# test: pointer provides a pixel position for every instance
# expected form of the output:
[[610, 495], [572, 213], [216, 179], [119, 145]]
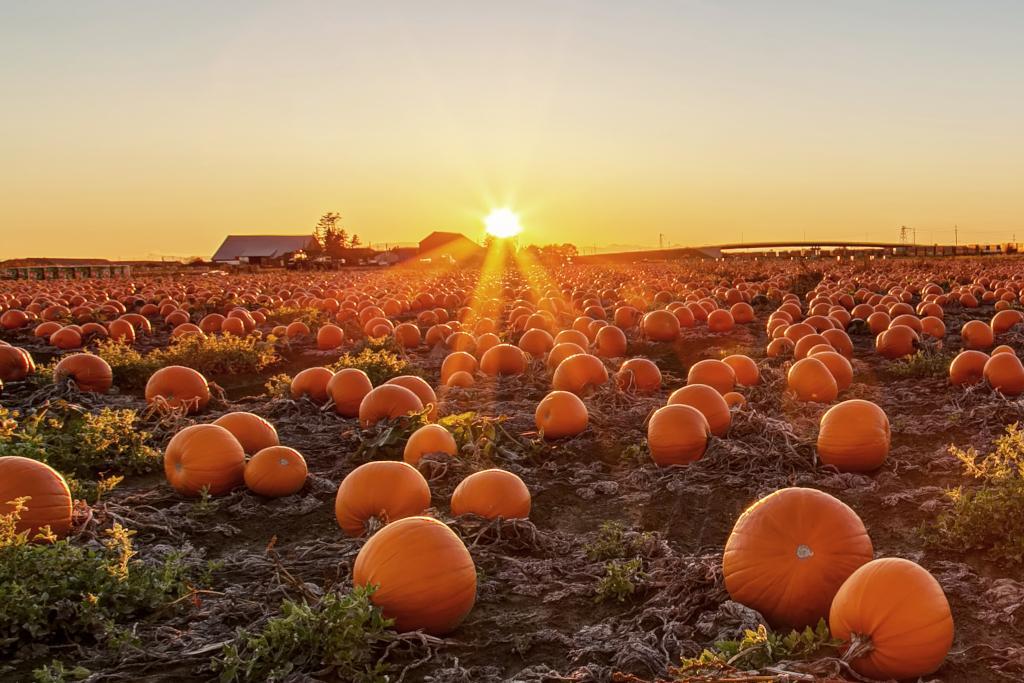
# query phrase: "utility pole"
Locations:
[[956, 235], [661, 240]]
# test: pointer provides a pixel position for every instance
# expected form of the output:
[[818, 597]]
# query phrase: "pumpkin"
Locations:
[[1005, 320], [276, 471], [347, 389], [312, 383], [561, 414], [407, 335], [432, 438], [841, 369], [492, 493], [49, 500], [88, 372], [789, 553], [424, 575], [66, 338], [296, 330], [252, 431], [840, 341], [854, 436], [378, 493], [460, 379], [714, 373], [968, 367], [179, 386], [580, 374], [898, 342], [329, 337], [560, 352], [387, 401], [1003, 348], [1005, 374], [976, 335], [503, 359], [895, 617], [460, 361], [204, 456], [779, 347], [610, 342], [677, 435], [536, 342], [660, 326], [811, 380], [744, 368], [734, 399], [711, 404], [13, 319], [640, 375], [122, 331], [424, 392]]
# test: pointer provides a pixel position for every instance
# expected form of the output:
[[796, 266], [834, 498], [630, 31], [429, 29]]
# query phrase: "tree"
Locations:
[[330, 235], [355, 241]]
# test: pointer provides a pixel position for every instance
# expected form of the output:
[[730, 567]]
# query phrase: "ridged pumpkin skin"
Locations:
[[838, 365], [347, 388], [90, 373], [424, 575], [276, 472], [976, 335], [968, 367], [204, 456], [660, 326], [312, 384], [252, 431], [709, 402], [903, 610], [714, 373], [811, 380], [610, 342], [424, 392], [432, 438], [458, 361], [579, 374], [1005, 373], [492, 493], [561, 414], [387, 401], [384, 489], [15, 364], [179, 386], [898, 341], [50, 500], [744, 368], [639, 375], [503, 359], [677, 435], [789, 553], [854, 436]]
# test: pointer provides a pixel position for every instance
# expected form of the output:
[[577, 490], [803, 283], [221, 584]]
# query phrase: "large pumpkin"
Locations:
[[810, 380], [1005, 373], [660, 326], [561, 414], [854, 436], [579, 374], [312, 384], [378, 493], [387, 401], [89, 373], [204, 456], [424, 392], [789, 553], [714, 373], [432, 438], [709, 402], [492, 493], [15, 364], [252, 431], [49, 501], [424, 575], [968, 367], [895, 613], [276, 471], [677, 435], [744, 368], [503, 359], [639, 375], [179, 386], [347, 388]]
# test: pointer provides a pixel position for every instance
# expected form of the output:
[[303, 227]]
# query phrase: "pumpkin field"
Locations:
[[736, 470]]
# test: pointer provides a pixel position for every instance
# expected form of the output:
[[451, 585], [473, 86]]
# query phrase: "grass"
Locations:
[[756, 650], [341, 636], [213, 356], [58, 591], [612, 543], [927, 362], [621, 579], [988, 518], [91, 450], [379, 364]]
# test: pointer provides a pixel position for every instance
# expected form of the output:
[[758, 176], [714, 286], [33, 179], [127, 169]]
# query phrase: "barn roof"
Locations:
[[236, 247]]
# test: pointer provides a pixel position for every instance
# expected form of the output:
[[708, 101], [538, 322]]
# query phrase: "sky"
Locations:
[[153, 129]]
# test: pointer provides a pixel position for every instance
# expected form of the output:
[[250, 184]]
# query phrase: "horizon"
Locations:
[[598, 124]]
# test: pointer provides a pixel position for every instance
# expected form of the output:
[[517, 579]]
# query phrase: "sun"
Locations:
[[502, 223]]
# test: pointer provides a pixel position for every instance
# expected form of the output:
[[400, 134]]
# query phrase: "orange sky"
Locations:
[[140, 132]]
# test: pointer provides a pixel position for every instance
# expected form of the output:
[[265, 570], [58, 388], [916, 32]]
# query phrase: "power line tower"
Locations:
[[904, 234], [661, 240]]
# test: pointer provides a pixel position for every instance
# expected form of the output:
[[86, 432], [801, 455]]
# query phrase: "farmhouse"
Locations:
[[449, 246], [265, 250]]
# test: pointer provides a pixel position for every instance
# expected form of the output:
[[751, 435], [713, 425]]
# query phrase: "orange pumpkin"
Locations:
[[789, 553], [66, 338], [432, 438], [424, 575], [204, 456], [379, 493], [49, 500], [811, 380], [179, 386], [1005, 320], [779, 347], [714, 373], [329, 337], [536, 342], [677, 435], [312, 383], [276, 471], [1005, 374], [660, 326], [424, 392], [854, 436], [387, 401], [734, 399], [347, 389], [579, 374], [895, 613], [459, 361], [561, 414], [610, 342], [640, 375], [709, 402], [744, 368], [968, 367], [503, 359], [407, 335], [720, 320], [898, 342], [562, 351], [841, 369], [461, 379], [977, 335], [90, 373], [492, 493], [252, 431]]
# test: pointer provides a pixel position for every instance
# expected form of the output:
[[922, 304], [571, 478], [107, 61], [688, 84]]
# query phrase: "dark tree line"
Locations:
[[330, 238]]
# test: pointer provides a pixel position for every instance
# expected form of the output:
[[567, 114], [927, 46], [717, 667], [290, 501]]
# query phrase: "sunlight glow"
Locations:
[[502, 223]]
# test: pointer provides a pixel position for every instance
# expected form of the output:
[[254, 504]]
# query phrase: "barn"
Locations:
[[449, 246], [264, 250]]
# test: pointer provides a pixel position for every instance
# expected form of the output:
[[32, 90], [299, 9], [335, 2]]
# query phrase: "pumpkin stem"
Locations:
[[860, 646], [376, 523]]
